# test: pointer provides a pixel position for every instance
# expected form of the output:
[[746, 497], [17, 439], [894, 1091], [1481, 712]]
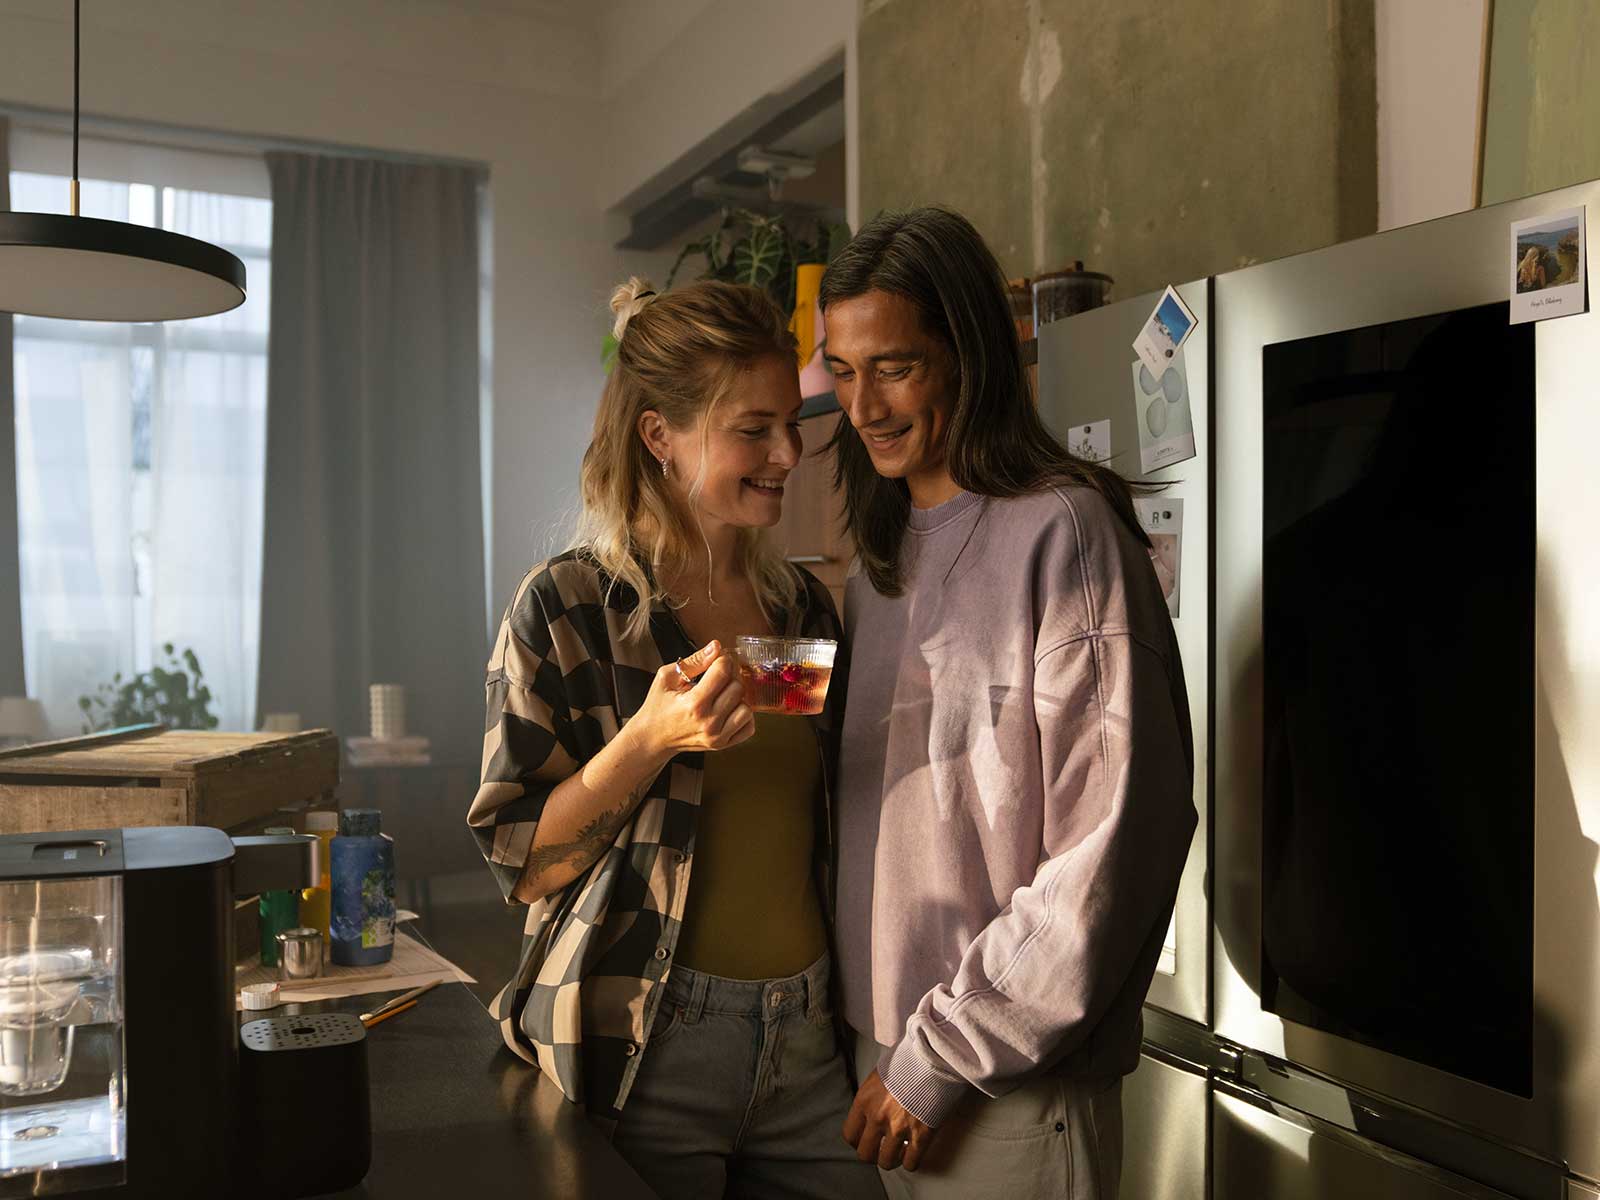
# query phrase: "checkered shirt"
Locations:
[[562, 680]]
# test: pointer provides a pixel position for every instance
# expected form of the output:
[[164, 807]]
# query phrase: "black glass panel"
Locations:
[[1397, 822]]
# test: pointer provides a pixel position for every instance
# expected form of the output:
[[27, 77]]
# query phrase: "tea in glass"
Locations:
[[786, 675]]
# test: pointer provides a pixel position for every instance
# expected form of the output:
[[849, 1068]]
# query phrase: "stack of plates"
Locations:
[[389, 752]]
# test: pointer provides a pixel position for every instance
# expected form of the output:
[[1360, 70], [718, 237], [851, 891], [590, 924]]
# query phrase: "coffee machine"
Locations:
[[118, 1039]]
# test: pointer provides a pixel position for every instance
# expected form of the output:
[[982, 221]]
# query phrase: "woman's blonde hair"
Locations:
[[680, 354]]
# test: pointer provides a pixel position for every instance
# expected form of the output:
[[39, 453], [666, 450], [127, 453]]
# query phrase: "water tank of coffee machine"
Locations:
[[62, 1079], [118, 1060]]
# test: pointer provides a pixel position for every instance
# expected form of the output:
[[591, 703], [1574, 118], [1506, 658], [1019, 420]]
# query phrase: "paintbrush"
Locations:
[[382, 1015], [402, 998]]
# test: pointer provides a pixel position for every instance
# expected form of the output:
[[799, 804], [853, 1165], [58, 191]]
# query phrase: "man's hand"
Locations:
[[882, 1131]]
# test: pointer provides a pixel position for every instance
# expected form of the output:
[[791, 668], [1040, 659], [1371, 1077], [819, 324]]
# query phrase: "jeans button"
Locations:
[[777, 999], [661, 953]]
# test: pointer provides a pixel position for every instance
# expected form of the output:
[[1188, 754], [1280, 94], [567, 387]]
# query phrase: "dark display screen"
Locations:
[[1398, 609]]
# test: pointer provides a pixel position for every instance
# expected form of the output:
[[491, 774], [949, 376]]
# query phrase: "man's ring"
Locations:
[[683, 676]]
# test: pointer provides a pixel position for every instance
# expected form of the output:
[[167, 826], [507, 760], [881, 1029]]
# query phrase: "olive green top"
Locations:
[[752, 910]]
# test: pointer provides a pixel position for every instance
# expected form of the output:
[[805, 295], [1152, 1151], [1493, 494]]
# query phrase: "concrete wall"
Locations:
[[518, 88], [1154, 143], [1543, 127], [1430, 57]]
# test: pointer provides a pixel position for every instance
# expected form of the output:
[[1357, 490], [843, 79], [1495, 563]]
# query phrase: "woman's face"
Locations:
[[751, 444]]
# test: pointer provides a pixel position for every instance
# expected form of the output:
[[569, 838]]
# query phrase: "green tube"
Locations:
[[279, 911]]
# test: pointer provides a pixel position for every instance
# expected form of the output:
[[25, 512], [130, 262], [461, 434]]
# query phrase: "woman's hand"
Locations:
[[700, 708]]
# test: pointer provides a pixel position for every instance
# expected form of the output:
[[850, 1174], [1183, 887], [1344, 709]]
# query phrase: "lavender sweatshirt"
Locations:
[[1015, 798]]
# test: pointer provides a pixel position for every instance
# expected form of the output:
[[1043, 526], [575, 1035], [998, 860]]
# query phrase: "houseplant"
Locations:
[[173, 694], [762, 251]]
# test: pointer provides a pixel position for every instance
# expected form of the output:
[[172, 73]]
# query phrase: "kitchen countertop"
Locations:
[[453, 1109]]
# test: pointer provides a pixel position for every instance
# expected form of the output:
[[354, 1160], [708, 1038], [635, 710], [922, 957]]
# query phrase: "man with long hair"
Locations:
[[1017, 766]]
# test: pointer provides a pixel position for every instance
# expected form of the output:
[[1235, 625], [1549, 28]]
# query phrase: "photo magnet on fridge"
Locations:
[[1162, 518], [1161, 406], [1547, 257], [1167, 329], [1091, 442]]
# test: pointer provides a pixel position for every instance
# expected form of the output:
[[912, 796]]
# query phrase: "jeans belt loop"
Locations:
[[697, 997], [816, 989]]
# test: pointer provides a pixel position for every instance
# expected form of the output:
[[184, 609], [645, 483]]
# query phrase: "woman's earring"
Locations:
[[666, 468]]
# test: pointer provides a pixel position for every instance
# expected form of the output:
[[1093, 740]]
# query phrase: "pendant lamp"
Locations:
[[86, 269]]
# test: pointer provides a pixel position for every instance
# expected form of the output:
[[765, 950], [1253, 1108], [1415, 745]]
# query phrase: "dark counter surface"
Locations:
[[453, 1111]]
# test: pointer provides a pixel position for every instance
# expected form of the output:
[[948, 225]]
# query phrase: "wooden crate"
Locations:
[[150, 775]]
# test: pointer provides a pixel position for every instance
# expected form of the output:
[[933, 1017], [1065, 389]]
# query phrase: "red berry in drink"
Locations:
[[792, 672]]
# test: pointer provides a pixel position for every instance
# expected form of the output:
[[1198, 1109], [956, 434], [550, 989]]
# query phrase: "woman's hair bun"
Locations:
[[627, 300]]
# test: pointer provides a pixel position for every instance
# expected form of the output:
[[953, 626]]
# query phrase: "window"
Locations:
[[141, 448]]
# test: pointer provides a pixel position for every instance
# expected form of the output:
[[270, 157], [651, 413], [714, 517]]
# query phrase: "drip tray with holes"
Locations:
[[284, 1060], [305, 1032]]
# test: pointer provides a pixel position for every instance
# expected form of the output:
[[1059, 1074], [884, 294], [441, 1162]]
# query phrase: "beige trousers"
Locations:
[[1052, 1138]]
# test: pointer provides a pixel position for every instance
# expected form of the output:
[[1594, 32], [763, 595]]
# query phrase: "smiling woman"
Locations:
[[674, 853], [696, 432]]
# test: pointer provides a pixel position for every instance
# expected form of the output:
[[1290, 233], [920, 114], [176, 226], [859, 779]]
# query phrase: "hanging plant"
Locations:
[[762, 251]]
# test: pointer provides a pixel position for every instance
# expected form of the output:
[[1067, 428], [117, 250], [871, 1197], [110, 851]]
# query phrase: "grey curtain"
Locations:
[[372, 567], [11, 677]]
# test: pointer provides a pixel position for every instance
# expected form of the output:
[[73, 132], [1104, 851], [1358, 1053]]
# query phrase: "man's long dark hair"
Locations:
[[995, 443]]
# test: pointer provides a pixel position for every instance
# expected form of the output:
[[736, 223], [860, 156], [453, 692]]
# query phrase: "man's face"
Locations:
[[897, 385]]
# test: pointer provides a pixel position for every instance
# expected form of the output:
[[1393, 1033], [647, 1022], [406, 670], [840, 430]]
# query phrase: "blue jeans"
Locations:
[[743, 1093]]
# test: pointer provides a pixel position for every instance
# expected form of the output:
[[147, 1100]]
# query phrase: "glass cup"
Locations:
[[39, 993], [785, 674]]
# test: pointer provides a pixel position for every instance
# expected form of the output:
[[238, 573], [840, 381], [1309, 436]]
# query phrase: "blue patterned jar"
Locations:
[[363, 890]]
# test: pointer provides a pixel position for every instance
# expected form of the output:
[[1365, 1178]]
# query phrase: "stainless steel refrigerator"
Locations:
[[1385, 607], [1089, 379]]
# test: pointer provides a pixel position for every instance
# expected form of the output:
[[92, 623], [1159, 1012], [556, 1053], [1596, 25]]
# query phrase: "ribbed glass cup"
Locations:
[[786, 675]]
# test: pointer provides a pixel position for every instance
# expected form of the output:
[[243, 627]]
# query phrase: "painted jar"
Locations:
[[363, 890]]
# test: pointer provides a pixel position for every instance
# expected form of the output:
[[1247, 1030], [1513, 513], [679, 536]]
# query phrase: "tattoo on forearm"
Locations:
[[588, 845]]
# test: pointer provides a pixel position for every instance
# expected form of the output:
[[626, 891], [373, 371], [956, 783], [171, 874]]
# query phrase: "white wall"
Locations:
[[678, 70], [515, 84], [1430, 55]]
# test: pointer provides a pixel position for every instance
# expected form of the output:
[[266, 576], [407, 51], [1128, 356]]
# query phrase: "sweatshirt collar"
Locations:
[[926, 520]]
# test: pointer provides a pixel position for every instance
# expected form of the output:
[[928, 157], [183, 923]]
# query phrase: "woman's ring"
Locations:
[[683, 676]]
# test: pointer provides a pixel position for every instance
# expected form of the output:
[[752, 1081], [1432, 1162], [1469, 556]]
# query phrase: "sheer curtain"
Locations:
[[75, 466], [209, 456], [12, 680], [140, 452]]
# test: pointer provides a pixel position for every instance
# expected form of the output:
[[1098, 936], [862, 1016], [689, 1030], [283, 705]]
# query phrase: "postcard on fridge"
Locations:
[[1547, 257], [1162, 412], [1162, 519], [1091, 442], [1168, 327]]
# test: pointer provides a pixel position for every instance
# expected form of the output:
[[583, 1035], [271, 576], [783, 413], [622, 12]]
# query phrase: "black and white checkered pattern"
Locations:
[[562, 681]]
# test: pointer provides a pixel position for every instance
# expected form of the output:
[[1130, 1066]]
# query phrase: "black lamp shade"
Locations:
[[87, 269]]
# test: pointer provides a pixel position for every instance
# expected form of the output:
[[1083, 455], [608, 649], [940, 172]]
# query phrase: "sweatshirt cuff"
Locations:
[[920, 1081]]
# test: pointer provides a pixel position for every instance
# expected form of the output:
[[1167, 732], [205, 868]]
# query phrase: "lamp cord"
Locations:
[[76, 72]]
